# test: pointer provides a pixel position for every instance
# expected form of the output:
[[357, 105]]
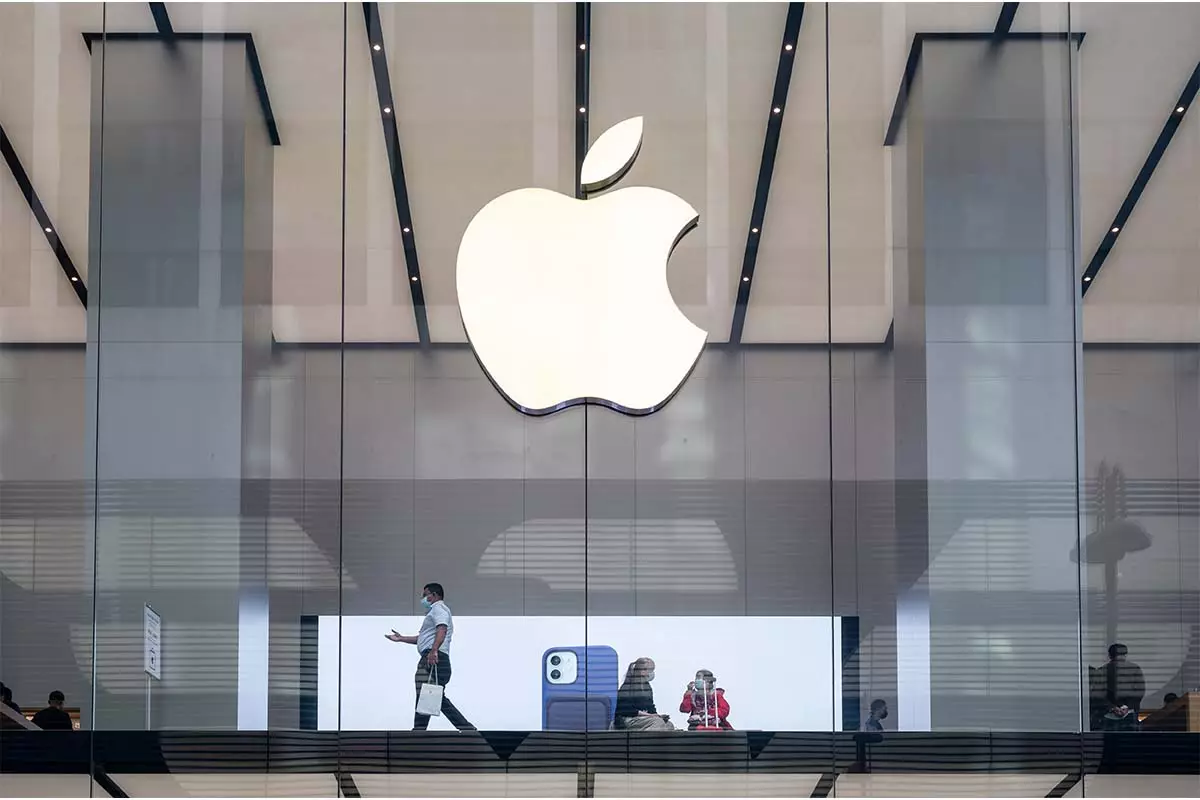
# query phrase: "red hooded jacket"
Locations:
[[717, 715]]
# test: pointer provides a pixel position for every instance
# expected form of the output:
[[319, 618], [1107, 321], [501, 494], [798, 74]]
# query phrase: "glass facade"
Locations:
[[923, 518]]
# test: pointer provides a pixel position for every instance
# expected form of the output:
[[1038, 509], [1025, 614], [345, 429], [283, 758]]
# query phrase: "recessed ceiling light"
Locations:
[[414, 278], [48, 230], [377, 48], [407, 230], [754, 230], [583, 45], [74, 279], [1116, 229], [1087, 278], [746, 279], [776, 109], [787, 47], [582, 110], [1179, 110], [387, 109]]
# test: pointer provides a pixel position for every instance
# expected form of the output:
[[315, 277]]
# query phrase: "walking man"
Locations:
[[433, 644]]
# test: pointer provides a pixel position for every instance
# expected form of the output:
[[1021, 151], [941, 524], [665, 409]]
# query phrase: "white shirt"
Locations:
[[439, 614]]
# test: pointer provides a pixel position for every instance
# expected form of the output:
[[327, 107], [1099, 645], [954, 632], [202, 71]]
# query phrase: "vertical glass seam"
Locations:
[[96, 444], [341, 504]]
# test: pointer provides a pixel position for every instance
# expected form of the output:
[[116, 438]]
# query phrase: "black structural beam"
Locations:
[[1174, 120], [1065, 785], [43, 218], [824, 785], [105, 782], [256, 73], [162, 20], [914, 60], [583, 79], [1008, 12], [347, 785], [391, 137], [766, 166]]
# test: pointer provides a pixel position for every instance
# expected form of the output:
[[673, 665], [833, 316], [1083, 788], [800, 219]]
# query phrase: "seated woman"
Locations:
[[635, 701], [705, 704]]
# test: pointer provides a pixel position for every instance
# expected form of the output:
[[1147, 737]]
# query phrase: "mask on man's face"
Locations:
[[425, 604], [884, 715]]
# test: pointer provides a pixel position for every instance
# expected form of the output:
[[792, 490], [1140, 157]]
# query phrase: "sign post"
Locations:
[[152, 635], [151, 652]]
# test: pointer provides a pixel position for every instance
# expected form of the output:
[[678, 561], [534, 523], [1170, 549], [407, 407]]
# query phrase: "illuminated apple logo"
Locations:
[[565, 301]]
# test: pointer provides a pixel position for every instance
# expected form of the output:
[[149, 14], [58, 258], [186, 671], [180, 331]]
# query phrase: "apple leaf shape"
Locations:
[[611, 156]]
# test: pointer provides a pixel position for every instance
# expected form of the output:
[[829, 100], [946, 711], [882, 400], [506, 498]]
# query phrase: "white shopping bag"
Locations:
[[429, 701]]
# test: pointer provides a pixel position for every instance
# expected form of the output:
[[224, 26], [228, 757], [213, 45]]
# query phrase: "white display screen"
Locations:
[[778, 673]]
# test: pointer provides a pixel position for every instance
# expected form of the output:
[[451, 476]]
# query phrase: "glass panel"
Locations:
[[217, 157], [444, 481], [45, 560], [958, 444], [1141, 402], [934, 449], [713, 513]]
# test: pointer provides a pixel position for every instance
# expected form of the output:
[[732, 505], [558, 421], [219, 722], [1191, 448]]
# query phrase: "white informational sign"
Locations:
[[152, 636], [777, 672]]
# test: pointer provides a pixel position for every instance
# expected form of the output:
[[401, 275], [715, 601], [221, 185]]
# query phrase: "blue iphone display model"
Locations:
[[579, 688]]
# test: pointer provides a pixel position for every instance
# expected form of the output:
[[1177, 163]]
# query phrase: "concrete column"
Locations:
[[985, 395], [179, 338]]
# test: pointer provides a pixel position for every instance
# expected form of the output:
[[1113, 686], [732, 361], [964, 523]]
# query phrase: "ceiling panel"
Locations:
[[485, 104], [1133, 65], [701, 75], [483, 96], [789, 299], [45, 109], [860, 270], [378, 299], [1054, 16], [301, 47]]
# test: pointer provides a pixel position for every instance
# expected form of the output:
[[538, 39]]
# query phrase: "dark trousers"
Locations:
[[442, 676]]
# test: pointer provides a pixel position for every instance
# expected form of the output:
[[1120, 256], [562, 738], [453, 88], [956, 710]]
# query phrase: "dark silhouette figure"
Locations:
[[52, 717], [879, 712], [6, 698], [1124, 690]]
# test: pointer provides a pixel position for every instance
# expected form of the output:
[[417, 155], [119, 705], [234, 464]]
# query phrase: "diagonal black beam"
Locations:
[[260, 83], [105, 782], [766, 166], [391, 136], [1008, 12], [583, 80], [43, 219], [162, 20], [914, 60], [1065, 785], [1174, 120], [347, 785], [825, 785]]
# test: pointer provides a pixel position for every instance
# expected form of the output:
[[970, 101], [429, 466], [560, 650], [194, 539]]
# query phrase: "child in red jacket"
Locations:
[[705, 704]]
